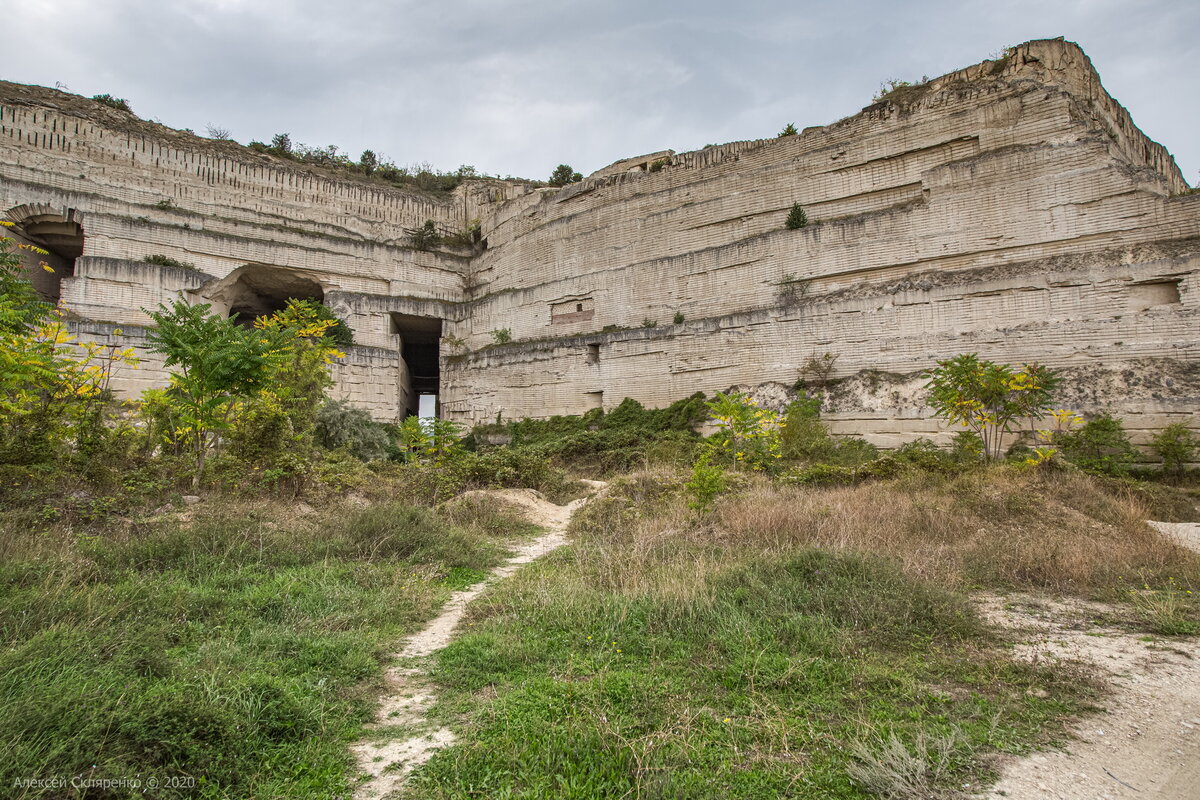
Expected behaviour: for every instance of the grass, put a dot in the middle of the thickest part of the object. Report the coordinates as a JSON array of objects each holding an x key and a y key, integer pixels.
[
  {"x": 1002, "y": 527},
  {"x": 241, "y": 650},
  {"x": 797, "y": 643}
]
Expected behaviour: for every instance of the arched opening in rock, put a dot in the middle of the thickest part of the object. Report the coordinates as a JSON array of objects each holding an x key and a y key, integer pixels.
[
  {"x": 55, "y": 231},
  {"x": 257, "y": 290},
  {"x": 419, "y": 343}
]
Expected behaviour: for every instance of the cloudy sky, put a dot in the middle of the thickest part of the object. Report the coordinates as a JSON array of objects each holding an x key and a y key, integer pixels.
[{"x": 515, "y": 87}]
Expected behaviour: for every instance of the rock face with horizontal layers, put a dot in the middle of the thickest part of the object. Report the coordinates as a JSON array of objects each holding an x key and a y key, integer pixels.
[{"x": 1011, "y": 209}]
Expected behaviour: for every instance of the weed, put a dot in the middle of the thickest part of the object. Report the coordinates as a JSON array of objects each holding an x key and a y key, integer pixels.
[{"x": 166, "y": 261}]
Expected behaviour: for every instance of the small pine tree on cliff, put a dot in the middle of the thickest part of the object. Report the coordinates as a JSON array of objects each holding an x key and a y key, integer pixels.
[{"x": 796, "y": 218}]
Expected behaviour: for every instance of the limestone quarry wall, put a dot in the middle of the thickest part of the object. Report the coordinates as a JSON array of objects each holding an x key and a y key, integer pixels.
[
  {"x": 1010, "y": 209},
  {"x": 139, "y": 189}
]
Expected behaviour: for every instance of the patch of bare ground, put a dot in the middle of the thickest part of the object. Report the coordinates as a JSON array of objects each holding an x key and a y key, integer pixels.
[
  {"x": 1146, "y": 741},
  {"x": 402, "y": 739}
]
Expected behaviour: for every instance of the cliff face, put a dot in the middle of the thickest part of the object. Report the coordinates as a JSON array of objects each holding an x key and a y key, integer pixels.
[{"x": 1010, "y": 208}]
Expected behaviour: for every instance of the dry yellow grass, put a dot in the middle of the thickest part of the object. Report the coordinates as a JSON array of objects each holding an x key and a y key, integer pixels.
[{"x": 1062, "y": 532}]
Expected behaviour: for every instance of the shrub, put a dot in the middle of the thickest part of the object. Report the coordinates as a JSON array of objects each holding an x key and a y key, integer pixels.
[
  {"x": 987, "y": 397},
  {"x": 678, "y": 318},
  {"x": 707, "y": 481},
  {"x": 166, "y": 261},
  {"x": 966, "y": 447},
  {"x": 924, "y": 454},
  {"x": 1176, "y": 445},
  {"x": 340, "y": 425},
  {"x": 119, "y": 103},
  {"x": 425, "y": 237},
  {"x": 804, "y": 436},
  {"x": 788, "y": 130},
  {"x": 821, "y": 475},
  {"x": 502, "y": 335},
  {"x": 1101, "y": 446},
  {"x": 796, "y": 218},
  {"x": 623, "y": 438}
]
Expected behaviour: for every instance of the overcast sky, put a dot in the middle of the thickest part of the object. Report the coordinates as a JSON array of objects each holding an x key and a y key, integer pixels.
[{"x": 517, "y": 86}]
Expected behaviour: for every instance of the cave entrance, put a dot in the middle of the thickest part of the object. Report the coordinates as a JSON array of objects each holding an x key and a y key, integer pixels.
[
  {"x": 261, "y": 291},
  {"x": 58, "y": 233},
  {"x": 419, "y": 340}
]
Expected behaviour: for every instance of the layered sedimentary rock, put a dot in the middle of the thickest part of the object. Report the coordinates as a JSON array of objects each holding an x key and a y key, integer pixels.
[{"x": 1011, "y": 209}]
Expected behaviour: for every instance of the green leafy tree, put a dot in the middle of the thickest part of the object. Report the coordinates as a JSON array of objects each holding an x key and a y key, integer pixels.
[
  {"x": 564, "y": 174},
  {"x": 1176, "y": 445},
  {"x": 988, "y": 398},
  {"x": 796, "y": 218},
  {"x": 280, "y": 417},
  {"x": 748, "y": 435},
  {"x": 213, "y": 363},
  {"x": 788, "y": 130}
]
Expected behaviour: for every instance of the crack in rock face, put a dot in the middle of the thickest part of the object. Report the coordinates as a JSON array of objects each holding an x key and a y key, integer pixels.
[{"x": 402, "y": 738}]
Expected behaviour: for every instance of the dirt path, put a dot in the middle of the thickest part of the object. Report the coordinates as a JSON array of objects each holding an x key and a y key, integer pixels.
[
  {"x": 1146, "y": 744},
  {"x": 403, "y": 739}
]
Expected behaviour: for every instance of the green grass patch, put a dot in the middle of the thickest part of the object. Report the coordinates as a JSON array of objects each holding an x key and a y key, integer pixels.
[
  {"x": 235, "y": 651},
  {"x": 685, "y": 665}
]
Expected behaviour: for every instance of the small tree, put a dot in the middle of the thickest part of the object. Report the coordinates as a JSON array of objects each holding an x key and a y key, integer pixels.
[
  {"x": 564, "y": 174},
  {"x": 1176, "y": 445},
  {"x": 1101, "y": 445},
  {"x": 368, "y": 161},
  {"x": 796, "y": 218},
  {"x": 425, "y": 237},
  {"x": 788, "y": 130},
  {"x": 213, "y": 364},
  {"x": 988, "y": 398},
  {"x": 281, "y": 144},
  {"x": 749, "y": 435},
  {"x": 818, "y": 369}
]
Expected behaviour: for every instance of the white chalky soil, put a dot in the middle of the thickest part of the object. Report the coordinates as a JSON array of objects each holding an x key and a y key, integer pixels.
[
  {"x": 409, "y": 695},
  {"x": 1146, "y": 743}
]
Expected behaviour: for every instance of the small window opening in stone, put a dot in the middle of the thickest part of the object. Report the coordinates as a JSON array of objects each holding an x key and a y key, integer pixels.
[
  {"x": 593, "y": 354},
  {"x": 1144, "y": 296},
  {"x": 579, "y": 306},
  {"x": 594, "y": 400}
]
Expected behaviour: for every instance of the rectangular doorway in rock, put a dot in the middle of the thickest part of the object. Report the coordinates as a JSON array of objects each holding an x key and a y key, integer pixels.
[{"x": 418, "y": 341}]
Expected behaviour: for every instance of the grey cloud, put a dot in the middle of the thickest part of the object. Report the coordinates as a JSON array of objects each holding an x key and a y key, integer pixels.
[{"x": 517, "y": 87}]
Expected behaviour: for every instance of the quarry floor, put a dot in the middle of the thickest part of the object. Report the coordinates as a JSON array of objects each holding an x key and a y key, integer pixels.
[
  {"x": 1146, "y": 741},
  {"x": 1143, "y": 743}
]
